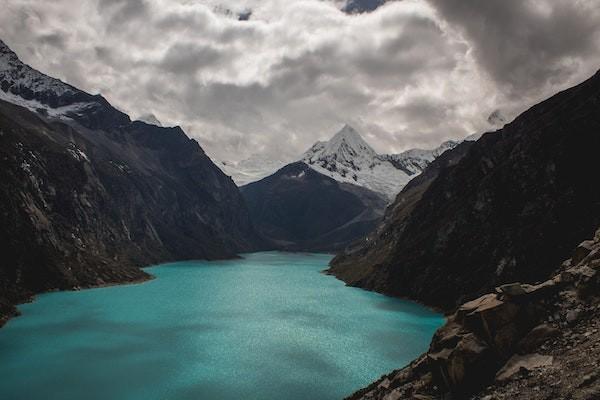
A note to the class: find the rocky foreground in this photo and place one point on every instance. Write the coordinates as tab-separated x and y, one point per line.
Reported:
524	341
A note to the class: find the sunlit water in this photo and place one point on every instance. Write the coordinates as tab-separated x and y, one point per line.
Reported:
269	326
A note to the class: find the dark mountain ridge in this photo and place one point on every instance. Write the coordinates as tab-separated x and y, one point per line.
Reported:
87	196
298	208
510	209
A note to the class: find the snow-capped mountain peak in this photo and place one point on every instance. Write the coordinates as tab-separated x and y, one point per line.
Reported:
15	74
414	161
23	85
347	157
346	148
348	142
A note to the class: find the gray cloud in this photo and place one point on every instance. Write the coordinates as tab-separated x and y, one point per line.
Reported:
54	39
527	44
188	58
409	73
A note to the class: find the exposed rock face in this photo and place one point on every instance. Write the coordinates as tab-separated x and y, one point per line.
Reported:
524	341
298	208
509	210
87	196
354	264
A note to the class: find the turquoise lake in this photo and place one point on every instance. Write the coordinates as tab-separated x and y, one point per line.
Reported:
268	326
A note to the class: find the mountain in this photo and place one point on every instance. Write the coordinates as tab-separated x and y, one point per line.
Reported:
87	196
298	208
334	196
414	161
509	207
251	169
346	157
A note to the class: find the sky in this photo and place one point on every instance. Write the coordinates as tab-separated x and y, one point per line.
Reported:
274	76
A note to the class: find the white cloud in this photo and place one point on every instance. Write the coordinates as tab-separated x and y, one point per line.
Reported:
412	73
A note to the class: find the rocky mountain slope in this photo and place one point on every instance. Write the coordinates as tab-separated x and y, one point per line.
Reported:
87	196
509	209
298	208
346	157
523	341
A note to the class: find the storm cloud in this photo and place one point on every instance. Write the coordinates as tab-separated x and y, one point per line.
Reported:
409	73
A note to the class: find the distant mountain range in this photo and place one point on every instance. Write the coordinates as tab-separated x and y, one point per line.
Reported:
347	158
335	194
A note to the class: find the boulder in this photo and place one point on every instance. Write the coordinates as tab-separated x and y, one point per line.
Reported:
573	316
593	256
519	363
512	290
393	395
525	292
466	367
500	323
536	337
582	251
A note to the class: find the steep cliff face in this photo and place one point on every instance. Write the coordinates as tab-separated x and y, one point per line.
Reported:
510	209
87	196
298	208
523	341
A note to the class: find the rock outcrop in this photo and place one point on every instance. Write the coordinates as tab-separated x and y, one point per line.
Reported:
509	208
514	343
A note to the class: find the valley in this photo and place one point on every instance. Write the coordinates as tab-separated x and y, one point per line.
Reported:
236	328
316	199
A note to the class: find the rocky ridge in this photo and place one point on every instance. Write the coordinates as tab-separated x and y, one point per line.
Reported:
299	209
523	341
507	208
88	196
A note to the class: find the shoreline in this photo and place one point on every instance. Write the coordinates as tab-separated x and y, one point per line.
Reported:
5	317
445	313
11	309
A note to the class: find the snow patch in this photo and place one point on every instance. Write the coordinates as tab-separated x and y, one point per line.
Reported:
35	106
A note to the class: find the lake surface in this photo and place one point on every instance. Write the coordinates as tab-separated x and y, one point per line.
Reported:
268	326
